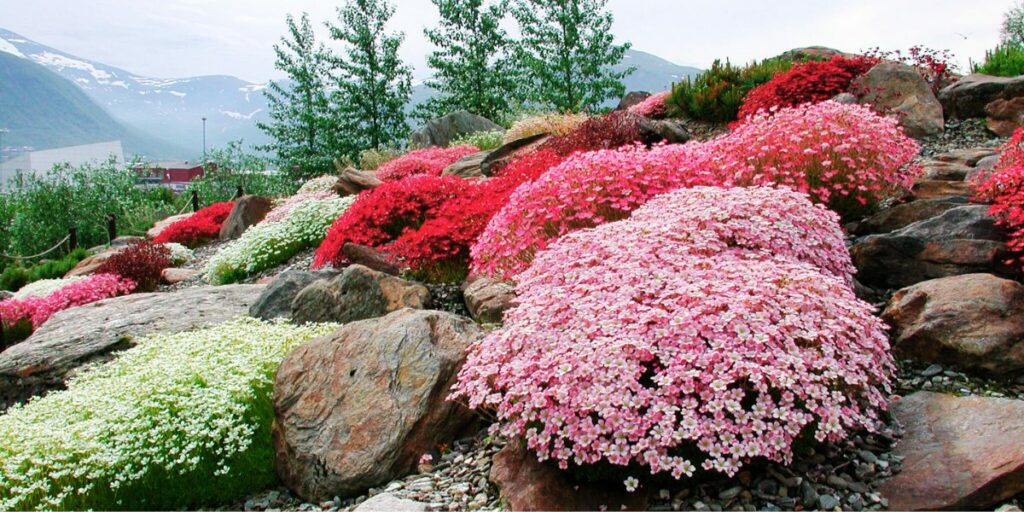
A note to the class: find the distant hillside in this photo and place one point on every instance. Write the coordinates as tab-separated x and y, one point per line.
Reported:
42	110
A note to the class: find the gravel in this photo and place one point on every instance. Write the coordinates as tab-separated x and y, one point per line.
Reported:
960	134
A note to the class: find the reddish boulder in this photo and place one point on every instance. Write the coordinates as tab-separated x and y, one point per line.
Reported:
891	87
352	181
487	299
936	189
968	156
960	453
91	264
945	171
247	211
1005	116
371	258
177	275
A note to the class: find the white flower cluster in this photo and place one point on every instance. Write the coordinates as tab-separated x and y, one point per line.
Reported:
269	244
320	184
44	287
178	413
180	254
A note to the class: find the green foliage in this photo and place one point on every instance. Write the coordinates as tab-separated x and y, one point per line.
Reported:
716	94
180	421
372	84
1004	60
371	159
1013	26
230	167
472	66
301	116
15	277
485	141
566	53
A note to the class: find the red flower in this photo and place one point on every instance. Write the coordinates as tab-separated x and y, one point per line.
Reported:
808	82
199	228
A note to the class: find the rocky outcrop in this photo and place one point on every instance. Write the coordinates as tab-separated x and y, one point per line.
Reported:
248	211
940	189
352	181
526	484
92	263
813	53
968	97
371	258
467	166
276	299
671	131
974	321
962	240
443	130
487	299
357	294
358	408
891	87
959	453
90	333
905	214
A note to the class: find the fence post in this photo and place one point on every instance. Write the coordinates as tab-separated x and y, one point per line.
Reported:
72	239
3	337
112	226
195	201
240	192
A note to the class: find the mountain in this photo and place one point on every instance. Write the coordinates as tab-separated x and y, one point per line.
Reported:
42	110
168	109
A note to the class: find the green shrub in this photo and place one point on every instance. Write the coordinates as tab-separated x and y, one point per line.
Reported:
231	167
715	95
15	277
485	141
1004	60
179	421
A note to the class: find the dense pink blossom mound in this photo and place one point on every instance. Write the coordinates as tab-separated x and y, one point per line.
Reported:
430	161
627	348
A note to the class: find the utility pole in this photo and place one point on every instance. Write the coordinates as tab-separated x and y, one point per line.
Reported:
2	132
204	140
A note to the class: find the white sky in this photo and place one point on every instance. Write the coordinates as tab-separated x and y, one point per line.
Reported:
178	38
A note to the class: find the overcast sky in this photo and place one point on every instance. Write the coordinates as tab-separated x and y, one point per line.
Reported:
179	38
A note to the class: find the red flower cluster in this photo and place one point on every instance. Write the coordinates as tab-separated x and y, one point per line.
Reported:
198	229
1004	188
141	262
808	82
381	215
430	161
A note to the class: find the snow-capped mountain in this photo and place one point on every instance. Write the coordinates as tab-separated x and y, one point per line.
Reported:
169	109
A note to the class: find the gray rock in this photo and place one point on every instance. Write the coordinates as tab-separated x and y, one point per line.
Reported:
443	130
357	294
387	503
962	223
488	299
276	299
632	98
808	495
931	371
892	87
92	333
827	502
510	151
968	97
903	215
467	166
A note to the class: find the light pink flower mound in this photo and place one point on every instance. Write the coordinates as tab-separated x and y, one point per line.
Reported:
78	293
652	106
646	349
430	161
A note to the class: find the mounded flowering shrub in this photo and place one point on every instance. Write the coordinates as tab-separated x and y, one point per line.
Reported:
429	161
845	156
199	228
269	244
381	215
141	262
318	184
179	421
33	311
609	131
283	208
1004	188
631	349
44	287
179	254
806	82
653	106
553	124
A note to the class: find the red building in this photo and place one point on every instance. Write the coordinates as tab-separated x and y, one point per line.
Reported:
176	174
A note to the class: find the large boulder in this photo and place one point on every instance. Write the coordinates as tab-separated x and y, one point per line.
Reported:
813	53
962	240
1004	116
91	333
248	211
276	299
92	263
359	407
968	97
975	321
488	299
352	181
671	131
631	99
526	484
443	130
959	453
357	293
891	87
903	215
467	166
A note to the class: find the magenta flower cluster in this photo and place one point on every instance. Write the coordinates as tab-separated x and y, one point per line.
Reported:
653	106
38	310
655	341
430	161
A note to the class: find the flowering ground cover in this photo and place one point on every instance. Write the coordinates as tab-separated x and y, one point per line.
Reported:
653	106
806	82
429	161
554	124
21	316
652	342
1004	188
180	420
198	228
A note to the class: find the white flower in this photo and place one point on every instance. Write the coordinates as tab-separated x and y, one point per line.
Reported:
631	484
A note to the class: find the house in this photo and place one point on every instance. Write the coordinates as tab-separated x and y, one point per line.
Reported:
175	174
44	160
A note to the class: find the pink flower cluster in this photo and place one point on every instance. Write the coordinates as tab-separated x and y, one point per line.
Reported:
38	310
281	211
647	341
844	156
653	106
430	161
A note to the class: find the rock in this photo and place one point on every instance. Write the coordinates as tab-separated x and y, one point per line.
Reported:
812	53
161	225
4	295
938	189
970	157
959	453
971	222
467	166
92	263
968	97
276	299
443	130
891	87
500	157
177	275
975	321
352	181
385	502
90	333
903	215
945	171
124	241
247	211
357	294
371	258
487	299
631	99
1005	115
671	131
827	502
983	169
845	98
359	407
526	484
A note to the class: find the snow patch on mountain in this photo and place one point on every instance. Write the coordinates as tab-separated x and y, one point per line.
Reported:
238	115
7	47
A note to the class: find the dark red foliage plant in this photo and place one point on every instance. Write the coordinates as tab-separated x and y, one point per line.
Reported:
199	228
141	262
807	82
602	132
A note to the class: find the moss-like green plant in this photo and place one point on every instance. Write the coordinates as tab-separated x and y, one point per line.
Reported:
716	94
1004	60
485	141
179	421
